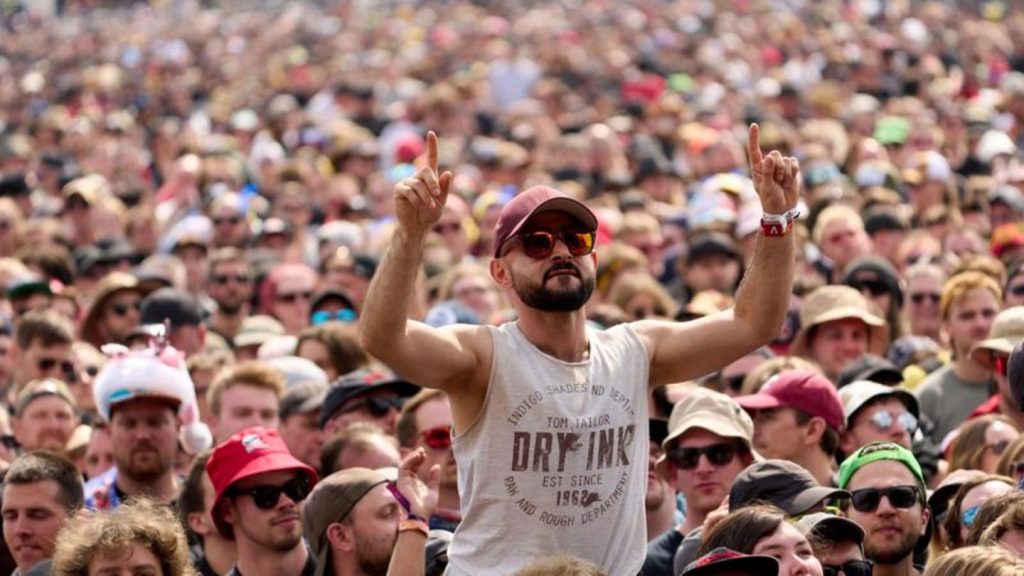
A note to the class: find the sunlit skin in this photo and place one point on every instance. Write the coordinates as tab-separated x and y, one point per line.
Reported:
32	515
243	406
979	495
138	560
838	342
861	430
791	549
970	319
705	486
891	532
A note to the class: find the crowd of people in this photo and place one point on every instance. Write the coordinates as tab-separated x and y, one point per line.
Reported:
469	287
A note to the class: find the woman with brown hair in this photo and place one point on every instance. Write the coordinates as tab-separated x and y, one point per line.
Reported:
964	509
137	538
764	530
976	561
980	442
334	347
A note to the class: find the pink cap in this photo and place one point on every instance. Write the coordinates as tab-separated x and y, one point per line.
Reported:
805	390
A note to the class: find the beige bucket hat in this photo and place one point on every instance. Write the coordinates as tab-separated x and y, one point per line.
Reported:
831	303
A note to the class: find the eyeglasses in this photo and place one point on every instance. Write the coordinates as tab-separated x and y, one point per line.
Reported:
223	279
266	497
377	406
999	447
874	287
438	438
1017	290
232	220
920	297
123	308
443	227
48	364
868	499
851	568
293	297
688	458
969	515
883	420
346	315
1000	365
540	244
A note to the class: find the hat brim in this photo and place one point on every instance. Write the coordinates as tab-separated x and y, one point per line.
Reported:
712	424
758	402
878	327
809	498
274	462
908	399
254	339
837	529
752	565
985	352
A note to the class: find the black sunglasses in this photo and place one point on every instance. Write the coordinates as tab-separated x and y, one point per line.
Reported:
920	297
873	287
266	497
377	406
688	458
868	499
232	220
47	364
1017	290
539	244
223	279
122	308
294	297
851	568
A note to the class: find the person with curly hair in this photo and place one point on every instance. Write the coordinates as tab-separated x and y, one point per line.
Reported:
139	537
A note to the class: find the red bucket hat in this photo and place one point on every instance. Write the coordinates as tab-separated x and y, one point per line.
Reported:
249	452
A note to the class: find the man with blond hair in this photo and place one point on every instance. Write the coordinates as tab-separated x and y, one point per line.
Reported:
244	395
969	304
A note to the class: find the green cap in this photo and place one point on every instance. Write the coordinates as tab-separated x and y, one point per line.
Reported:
892	130
874	452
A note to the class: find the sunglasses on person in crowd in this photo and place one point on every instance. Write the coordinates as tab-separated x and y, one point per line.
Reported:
539	244
439	438
873	287
292	297
969	515
345	315
919	297
232	220
223	279
377	406
123	308
851	568
868	499
266	497
1017	290
999	447
883	419
47	364
688	458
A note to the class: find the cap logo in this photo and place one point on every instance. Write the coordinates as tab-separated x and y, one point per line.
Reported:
252	443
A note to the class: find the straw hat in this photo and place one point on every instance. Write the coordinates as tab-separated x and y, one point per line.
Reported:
106	288
1007	331
831	303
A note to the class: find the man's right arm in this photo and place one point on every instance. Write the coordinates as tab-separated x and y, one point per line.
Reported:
447	358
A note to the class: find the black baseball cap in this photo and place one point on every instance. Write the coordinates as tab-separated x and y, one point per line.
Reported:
782	483
359	382
178	306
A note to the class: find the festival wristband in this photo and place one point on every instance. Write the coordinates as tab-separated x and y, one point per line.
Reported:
414	526
778	224
404	503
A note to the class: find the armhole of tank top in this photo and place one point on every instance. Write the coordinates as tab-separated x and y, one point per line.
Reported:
639	342
461	435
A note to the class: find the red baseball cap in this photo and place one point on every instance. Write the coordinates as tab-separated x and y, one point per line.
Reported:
805	390
535	200
249	452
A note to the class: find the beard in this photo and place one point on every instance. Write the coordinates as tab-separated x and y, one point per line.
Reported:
374	555
891	552
562	299
142	464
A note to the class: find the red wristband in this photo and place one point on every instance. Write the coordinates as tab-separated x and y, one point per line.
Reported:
775	229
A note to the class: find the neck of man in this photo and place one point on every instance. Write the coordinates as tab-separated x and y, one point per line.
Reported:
694	519
163	489
904	567
257	560
228	324
818	464
560	335
220	554
662	518
969	371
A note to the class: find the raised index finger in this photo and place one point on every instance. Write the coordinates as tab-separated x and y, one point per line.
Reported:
754	145
432	151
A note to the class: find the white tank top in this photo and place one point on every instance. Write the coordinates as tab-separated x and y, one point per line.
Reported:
557	460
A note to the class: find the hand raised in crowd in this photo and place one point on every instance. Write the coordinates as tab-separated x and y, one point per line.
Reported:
422	497
776	178
420	200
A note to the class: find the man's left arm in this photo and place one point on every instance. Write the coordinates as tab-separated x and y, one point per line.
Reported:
683	351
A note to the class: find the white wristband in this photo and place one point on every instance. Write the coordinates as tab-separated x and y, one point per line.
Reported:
784	218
